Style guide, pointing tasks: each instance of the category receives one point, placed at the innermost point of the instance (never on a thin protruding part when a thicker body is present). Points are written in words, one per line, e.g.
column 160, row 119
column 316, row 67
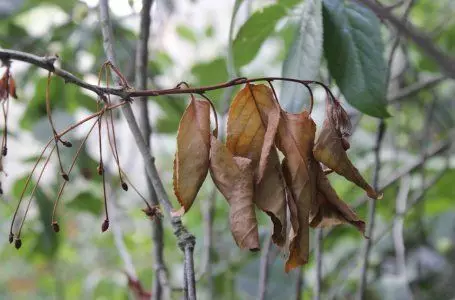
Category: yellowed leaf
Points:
column 251, row 128
column 191, row 161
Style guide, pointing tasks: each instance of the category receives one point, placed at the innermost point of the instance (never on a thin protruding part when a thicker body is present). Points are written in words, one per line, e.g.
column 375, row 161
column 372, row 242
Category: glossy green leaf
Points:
column 354, row 52
column 303, row 58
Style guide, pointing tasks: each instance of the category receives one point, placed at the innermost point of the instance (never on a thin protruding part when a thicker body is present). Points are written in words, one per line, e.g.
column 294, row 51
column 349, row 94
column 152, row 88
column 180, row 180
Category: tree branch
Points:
column 186, row 240
column 264, row 268
column 445, row 62
column 415, row 88
column 371, row 212
column 160, row 286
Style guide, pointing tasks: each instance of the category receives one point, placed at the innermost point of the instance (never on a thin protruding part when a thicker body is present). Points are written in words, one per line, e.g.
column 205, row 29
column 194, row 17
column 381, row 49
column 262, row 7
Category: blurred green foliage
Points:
column 80, row 262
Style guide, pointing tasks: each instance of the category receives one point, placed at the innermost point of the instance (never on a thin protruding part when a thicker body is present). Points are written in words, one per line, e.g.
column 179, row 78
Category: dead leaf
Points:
column 295, row 139
column 233, row 177
column 328, row 209
column 191, row 161
column 251, row 128
column 330, row 151
column 12, row 88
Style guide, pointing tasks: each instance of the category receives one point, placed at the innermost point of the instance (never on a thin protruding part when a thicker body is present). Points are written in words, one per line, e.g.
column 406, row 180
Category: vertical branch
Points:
column 160, row 280
column 264, row 268
column 207, row 215
column 318, row 258
column 398, row 224
column 186, row 241
column 371, row 212
column 299, row 284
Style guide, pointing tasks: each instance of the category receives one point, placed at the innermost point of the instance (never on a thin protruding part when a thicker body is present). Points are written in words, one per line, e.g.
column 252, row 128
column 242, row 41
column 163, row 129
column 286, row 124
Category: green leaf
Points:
column 48, row 240
column 186, row 33
column 211, row 72
column 63, row 96
column 303, row 58
column 354, row 52
column 86, row 202
column 254, row 32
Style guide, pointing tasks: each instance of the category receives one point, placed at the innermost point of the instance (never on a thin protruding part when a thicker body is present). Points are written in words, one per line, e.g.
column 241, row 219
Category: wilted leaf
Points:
column 328, row 209
column 330, row 151
column 233, row 176
column 295, row 139
column 191, row 161
column 251, row 128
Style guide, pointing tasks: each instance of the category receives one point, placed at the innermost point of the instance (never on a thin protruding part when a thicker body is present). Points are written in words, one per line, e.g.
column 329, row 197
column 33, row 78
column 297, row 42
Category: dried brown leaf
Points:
column 295, row 139
column 330, row 151
column 233, row 177
column 251, row 128
column 12, row 88
column 191, row 161
column 328, row 209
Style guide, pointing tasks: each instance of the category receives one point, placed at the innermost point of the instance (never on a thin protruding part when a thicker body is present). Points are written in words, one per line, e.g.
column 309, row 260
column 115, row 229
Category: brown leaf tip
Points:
column 105, row 225
column 18, row 243
column 55, row 226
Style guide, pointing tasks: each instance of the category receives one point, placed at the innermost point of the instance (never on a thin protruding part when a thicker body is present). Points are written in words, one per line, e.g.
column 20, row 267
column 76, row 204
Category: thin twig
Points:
column 371, row 212
column 445, row 62
column 264, row 268
column 186, row 240
column 318, row 259
column 415, row 88
column 299, row 284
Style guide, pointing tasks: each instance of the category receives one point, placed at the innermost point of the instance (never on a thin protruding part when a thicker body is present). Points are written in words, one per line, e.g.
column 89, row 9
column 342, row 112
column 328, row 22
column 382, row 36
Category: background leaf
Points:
column 303, row 58
column 354, row 52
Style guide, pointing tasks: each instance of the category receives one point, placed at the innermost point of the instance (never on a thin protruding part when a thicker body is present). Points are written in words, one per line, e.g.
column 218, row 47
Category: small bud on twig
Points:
column 11, row 238
column 55, row 226
column 124, row 186
column 105, row 225
column 65, row 176
column 18, row 243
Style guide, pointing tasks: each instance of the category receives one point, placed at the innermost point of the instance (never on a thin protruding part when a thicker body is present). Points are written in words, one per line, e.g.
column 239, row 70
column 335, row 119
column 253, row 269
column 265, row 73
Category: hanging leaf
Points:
column 303, row 58
column 328, row 209
column 233, row 177
column 331, row 151
column 354, row 52
column 192, row 157
column 251, row 128
column 295, row 139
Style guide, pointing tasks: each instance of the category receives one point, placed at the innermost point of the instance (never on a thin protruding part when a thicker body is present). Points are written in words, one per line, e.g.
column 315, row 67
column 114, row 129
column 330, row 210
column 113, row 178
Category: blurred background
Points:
column 412, row 243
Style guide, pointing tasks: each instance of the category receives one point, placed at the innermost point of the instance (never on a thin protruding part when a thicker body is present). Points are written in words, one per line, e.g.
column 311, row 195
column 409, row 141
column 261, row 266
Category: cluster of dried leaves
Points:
column 247, row 169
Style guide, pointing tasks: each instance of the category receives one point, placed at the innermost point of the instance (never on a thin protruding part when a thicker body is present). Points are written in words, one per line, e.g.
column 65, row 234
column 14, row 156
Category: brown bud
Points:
column 17, row 243
column 105, row 225
column 4, row 151
column 100, row 169
column 11, row 237
column 65, row 176
column 67, row 144
column 124, row 186
column 55, row 226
